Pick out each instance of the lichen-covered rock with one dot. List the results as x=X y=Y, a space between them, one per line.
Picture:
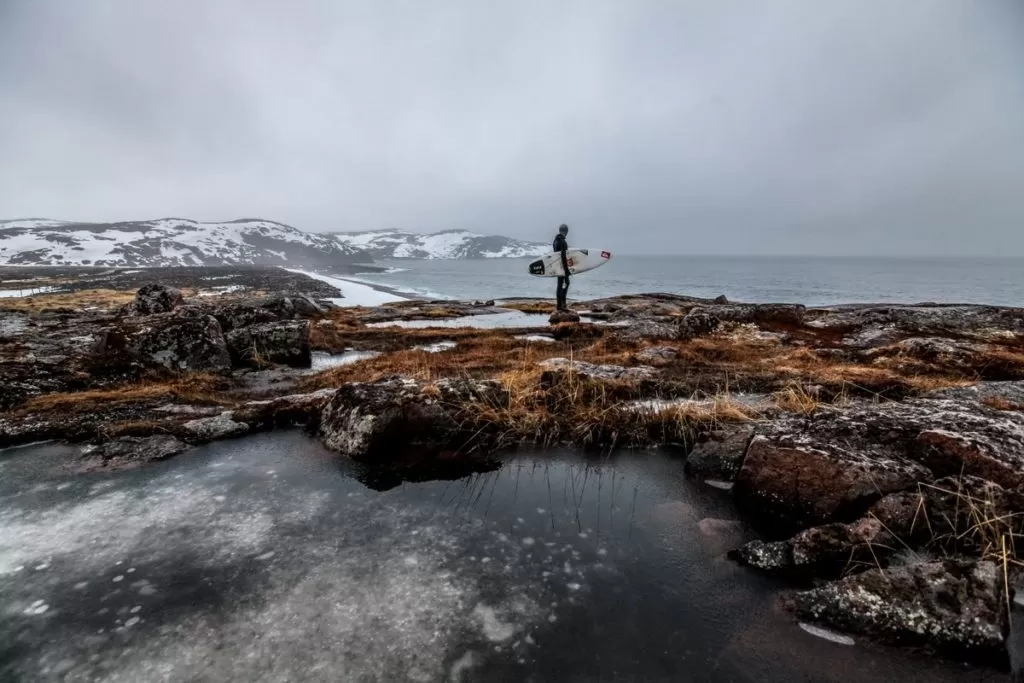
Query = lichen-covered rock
x=645 y=329
x=600 y=372
x=698 y=322
x=955 y=607
x=185 y=340
x=877 y=325
x=389 y=419
x=130 y=451
x=821 y=552
x=833 y=465
x=155 y=298
x=458 y=393
x=655 y=355
x=719 y=454
x=279 y=343
x=214 y=428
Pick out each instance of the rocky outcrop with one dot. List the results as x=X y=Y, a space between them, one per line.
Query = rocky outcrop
x=130 y=451
x=698 y=323
x=600 y=372
x=282 y=343
x=256 y=311
x=955 y=607
x=657 y=355
x=155 y=298
x=394 y=418
x=832 y=466
x=214 y=428
x=182 y=341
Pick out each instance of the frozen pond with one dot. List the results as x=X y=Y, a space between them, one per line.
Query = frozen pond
x=267 y=559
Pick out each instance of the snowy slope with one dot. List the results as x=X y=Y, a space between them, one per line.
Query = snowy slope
x=449 y=244
x=167 y=242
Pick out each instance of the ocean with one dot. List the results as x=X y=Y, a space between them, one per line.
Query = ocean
x=807 y=280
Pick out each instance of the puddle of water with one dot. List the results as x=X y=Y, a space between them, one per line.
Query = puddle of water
x=486 y=321
x=31 y=291
x=323 y=361
x=541 y=338
x=265 y=558
x=440 y=346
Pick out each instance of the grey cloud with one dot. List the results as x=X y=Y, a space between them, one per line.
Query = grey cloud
x=794 y=126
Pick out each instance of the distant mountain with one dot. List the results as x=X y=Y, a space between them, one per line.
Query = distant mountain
x=449 y=244
x=168 y=242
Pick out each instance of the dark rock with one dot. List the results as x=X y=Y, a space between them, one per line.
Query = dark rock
x=129 y=451
x=821 y=552
x=719 y=454
x=399 y=418
x=155 y=298
x=961 y=514
x=295 y=410
x=955 y=607
x=831 y=466
x=697 y=323
x=185 y=340
x=657 y=355
x=281 y=343
x=560 y=317
x=720 y=299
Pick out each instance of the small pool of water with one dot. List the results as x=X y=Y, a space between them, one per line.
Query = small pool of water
x=267 y=559
x=485 y=321
x=324 y=361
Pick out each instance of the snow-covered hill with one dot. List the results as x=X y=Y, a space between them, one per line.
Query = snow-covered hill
x=449 y=244
x=168 y=242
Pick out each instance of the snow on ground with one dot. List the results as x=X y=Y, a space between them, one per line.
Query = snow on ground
x=448 y=244
x=354 y=293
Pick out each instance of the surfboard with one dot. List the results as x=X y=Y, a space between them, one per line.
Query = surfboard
x=580 y=261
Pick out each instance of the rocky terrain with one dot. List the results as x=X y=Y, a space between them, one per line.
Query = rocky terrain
x=880 y=449
x=448 y=244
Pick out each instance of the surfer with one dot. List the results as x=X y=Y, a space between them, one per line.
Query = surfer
x=561 y=245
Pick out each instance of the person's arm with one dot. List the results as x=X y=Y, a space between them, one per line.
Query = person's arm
x=563 y=246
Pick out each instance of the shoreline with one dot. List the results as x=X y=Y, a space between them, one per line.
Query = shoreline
x=860 y=415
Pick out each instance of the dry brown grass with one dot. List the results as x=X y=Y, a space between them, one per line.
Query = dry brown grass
x=102 y=299
x=588 y=413
x=197 y=388
x=531 y=306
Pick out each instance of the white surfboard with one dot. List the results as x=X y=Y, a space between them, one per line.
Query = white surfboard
x=580 y=261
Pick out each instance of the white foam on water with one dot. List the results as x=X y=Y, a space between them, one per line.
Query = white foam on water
x=494 y=629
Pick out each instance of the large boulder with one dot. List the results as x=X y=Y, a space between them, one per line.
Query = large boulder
x=182 y=341
x=833 y=465
x=393 y=418
x=561 y=317
x=255 y=311
x=280 y=343
x=155 y=298
x=955 y=607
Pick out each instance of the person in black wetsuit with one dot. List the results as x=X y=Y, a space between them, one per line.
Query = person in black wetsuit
x=561 y=245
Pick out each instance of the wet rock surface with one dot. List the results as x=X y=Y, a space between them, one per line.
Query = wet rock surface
x=956 y=607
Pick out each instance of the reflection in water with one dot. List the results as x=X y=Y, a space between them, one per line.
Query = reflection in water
x=266 y=559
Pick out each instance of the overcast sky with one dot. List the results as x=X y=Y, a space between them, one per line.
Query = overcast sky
x=751 y=127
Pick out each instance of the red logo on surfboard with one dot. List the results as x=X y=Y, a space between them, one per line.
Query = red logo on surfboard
x=570 y=262
x=606 y=254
